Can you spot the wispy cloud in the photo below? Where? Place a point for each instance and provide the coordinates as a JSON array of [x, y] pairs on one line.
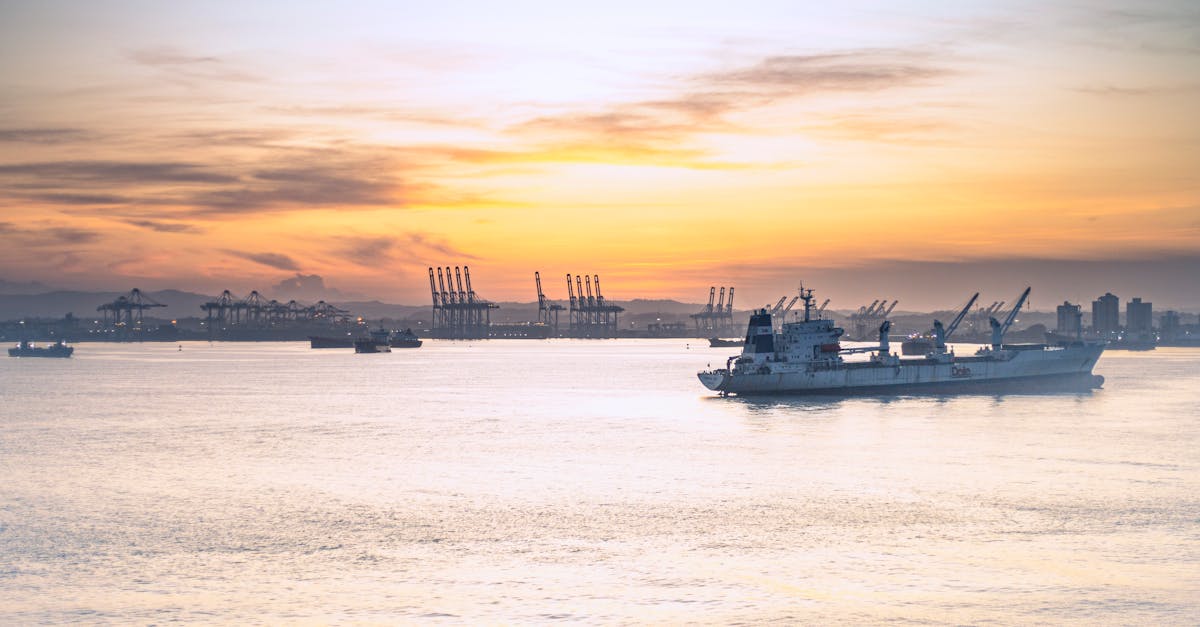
[[191, 66], [278, 261], [63, 173], [1121, 90], [44, 135], [857, 70], [164, 227], [47, 236], [375, 251]]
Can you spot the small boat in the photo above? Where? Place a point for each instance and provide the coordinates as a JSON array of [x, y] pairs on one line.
[[317, 341], [716, 342], [28, 349], [404, 339], [377, 342]]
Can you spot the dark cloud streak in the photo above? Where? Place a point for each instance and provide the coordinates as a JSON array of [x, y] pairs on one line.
[[278, 261]]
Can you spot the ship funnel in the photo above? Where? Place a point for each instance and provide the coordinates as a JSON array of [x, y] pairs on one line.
[[939, 336], [884, 345], [760, 336]]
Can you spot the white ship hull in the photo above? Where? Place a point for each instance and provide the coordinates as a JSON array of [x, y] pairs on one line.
[[1031, 368]]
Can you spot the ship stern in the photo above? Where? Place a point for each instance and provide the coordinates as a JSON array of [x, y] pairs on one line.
[[713, 379]]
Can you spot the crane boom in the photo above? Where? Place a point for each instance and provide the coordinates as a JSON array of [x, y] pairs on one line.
[[1012, 315], [712, 295], [791, 303], [778, 305], [571, 292], [890, 308], [729, 305], [721, 300], [961, 315]]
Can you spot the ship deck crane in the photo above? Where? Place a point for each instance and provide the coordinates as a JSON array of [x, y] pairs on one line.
[[1000, 328]]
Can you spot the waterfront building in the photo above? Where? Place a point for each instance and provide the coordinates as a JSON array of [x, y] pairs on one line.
[[1139, 316], [1069, 319], [1106, 314]]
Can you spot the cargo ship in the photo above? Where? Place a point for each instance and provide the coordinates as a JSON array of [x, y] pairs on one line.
[[404, 339], [29, 349], [806, 357]]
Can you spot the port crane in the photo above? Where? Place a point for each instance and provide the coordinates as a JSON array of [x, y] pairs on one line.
[[821, 309], [546, 307], [128, 309], [715, 319]]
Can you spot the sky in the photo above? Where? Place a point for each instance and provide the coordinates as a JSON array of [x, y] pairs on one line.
[[912, 150]]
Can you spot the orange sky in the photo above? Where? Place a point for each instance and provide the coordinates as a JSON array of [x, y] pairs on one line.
[[667, 148]]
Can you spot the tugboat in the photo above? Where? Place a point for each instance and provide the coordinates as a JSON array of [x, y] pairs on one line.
[[28, 349], [805, 357], [376, 342], [404, 339], [716, 342]]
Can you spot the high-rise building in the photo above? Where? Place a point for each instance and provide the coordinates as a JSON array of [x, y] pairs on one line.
[[1139, 316], [1106, 314], [1169, 324], [1069, 319]]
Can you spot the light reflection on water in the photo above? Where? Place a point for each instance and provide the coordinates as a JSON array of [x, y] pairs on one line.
[[586, 481]]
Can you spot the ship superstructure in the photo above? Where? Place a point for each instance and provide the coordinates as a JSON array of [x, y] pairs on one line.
[[806, 356]]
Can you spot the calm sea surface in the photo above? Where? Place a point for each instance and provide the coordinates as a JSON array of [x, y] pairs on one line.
[[577, 481]]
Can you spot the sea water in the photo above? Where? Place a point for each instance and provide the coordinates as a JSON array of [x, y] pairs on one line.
[[582, 481]]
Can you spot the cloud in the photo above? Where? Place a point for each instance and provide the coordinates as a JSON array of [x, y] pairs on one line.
[[317, 183], [310, 287], [164, 227], [189, 66], [376, 251], [43, 135], [48, 236], [425, 242], [77, 199], [858, 70], [366, 251], [278, 179], [273, 260], [657, 131], [60, 173], [1119, 90]]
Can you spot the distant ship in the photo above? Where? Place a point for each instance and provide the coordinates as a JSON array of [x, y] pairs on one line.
[[376, 342], [916, 344], [404, 339], [317, 341], [805, 357], [28, 349], [716, 342]]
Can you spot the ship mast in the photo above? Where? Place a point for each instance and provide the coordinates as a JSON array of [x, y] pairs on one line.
[[807, 297]]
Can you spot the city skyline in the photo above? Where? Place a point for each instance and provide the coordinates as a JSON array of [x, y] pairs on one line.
[[668, 148]]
